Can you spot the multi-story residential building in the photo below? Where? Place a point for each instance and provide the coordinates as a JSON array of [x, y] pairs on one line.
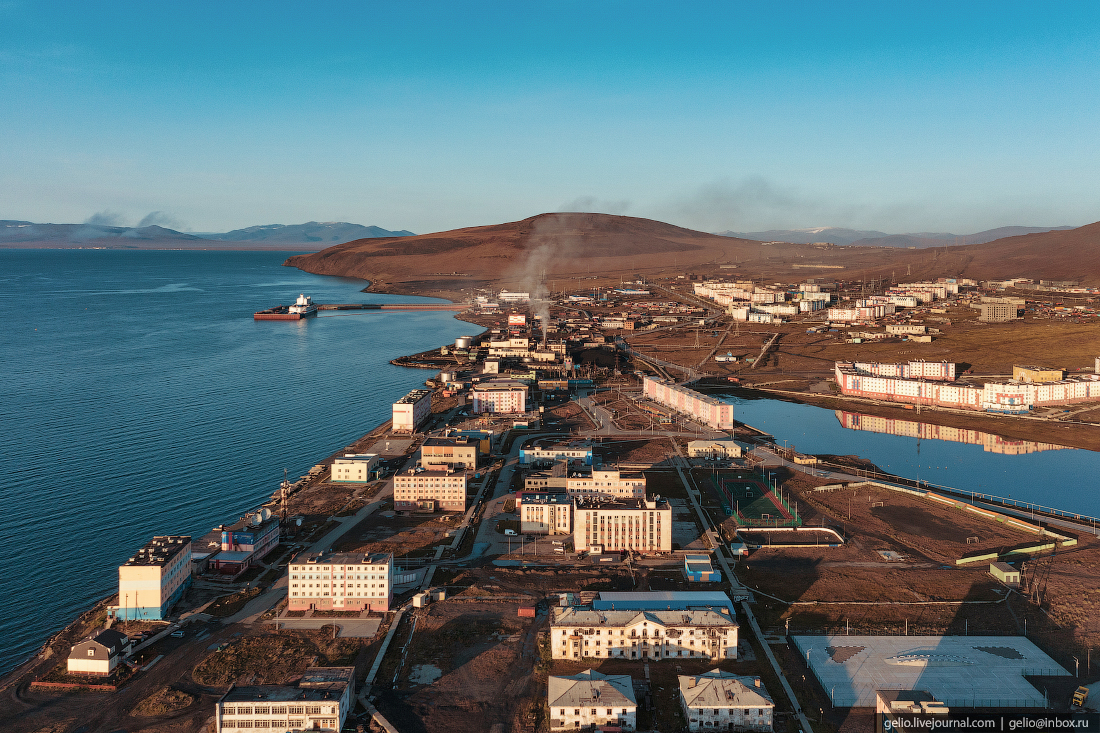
[[589, 699], [592, 484], [340, 581], [245, 542], [99, 654], [579, 632], [545, 512], [633, 525], [321, 701], [569, 453], [354, 468], [501, 396], [411, 410], [429, 491], [718, 700], [704, 408], [453, 453], [151, 581]]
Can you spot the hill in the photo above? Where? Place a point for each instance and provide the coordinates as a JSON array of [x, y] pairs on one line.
[[841, 236], [326, 232], [555, 248]]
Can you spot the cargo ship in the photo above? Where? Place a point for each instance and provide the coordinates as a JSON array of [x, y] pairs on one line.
[[304, 307]]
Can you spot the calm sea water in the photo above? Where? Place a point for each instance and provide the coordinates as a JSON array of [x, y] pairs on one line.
[[138, 397], [1065, 479]]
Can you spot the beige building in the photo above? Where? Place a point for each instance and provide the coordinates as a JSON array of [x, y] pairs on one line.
[[589, 699], [340, 581], [714, 449], [320, 701], [579, 481], [454, 453], [99, 654], [635, 525], [354, 468], [723, 701], [997, 312], [579, 632], [499, 396], [1037, 374], [545, 512], [439, 490], [151, 581]]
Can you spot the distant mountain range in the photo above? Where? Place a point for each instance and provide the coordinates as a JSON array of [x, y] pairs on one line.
[[309, 236], [861, 238]]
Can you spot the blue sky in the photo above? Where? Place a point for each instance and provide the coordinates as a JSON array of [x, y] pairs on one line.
[[428, 116]]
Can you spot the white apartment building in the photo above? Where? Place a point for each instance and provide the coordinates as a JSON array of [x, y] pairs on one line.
[[635, 525], [154, 579], [354, 468], [99, 654], [607, 484], [321, 701], [500, 396], [426, 490], [578, 632], [544, 512], [591, 699], [719, 701], [555, 453], [340, 581], [411, 410]]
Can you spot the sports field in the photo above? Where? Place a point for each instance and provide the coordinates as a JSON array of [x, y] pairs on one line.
[[753, 503]]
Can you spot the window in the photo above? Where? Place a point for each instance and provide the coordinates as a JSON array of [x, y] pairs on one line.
[[91, 652]]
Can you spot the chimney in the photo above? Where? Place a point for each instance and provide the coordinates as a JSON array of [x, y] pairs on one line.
[[757, 681]]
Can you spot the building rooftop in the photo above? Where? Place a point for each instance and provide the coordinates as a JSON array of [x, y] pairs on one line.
[[583, 616], [454, 441], [341, 558], [430, 473], [412, 397], [718, 689], [544, 497], [591, 688], [160, 550], [594, 502], [663, 599], [357, 457]]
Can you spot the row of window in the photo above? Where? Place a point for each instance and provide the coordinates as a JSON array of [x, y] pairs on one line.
[[728, 711], [323, 576], [336, 586], [280, 725], [352, 594], [645, 632], [277, 710], [577, 711]]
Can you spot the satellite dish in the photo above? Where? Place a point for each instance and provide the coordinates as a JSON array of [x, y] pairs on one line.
[[299, 521], [257, 518], [266, 513]]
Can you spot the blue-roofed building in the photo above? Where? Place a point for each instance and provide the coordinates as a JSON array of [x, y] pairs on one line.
[[662, 600]]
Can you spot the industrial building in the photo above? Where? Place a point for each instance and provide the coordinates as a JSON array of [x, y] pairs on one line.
[[354, 468], [1005, 573], [703, 408], [453, 453], [579, 632], [635, 525], [412, 410], [438, 490], [499, 396], [99, 654], [714, 449], [340, 581], [320, 701], [723, 701], [151, 581], [589, 699], [245, 542]]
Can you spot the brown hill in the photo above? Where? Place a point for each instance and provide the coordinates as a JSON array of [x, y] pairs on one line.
[[559, 247]]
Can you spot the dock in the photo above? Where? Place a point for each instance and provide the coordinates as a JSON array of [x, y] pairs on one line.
[[282, 312]]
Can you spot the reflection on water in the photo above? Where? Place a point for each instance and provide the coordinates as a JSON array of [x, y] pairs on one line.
[[912, 429]]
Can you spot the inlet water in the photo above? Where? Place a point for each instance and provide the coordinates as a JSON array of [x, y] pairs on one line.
[[140, 398]]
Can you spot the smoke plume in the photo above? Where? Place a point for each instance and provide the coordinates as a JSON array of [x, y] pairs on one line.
[[159, 218]]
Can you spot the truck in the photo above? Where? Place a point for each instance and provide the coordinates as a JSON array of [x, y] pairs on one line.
[[1080, 696]]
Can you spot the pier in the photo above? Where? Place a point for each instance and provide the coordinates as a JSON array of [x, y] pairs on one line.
[[391, 306]]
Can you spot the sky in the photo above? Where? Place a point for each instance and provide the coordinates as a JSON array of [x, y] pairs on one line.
[[209, 116]]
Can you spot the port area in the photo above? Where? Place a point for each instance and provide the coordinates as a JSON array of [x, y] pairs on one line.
[[282, 312]]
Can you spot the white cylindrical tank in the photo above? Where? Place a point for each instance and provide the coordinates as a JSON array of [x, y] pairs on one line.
[[464, 342]]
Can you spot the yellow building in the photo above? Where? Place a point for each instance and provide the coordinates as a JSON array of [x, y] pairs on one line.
[[1037, 374]]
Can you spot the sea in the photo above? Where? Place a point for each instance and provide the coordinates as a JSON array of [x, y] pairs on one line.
[[138, 397]]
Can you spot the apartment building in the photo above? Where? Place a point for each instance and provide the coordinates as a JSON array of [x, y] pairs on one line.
[[452, 453], [340, 581], [354, 468], [570, 453], [151, 581], [545, 512], [717, 701], [499, 396], [435, 490], [589, 699], [579, 481], [320, 701], [579, 632], [634, 525], [412, 410]]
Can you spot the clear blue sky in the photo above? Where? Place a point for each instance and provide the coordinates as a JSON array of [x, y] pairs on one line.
[[427, 116]]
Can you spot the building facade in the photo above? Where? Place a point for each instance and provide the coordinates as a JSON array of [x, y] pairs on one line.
[[320, 701], [354, 468], [99, 654], [723, 701], [580, 632], [430, 491], [713, 449], [453, 453], [151, 581], [412, 410], [589, 699], [499, 396], [545, 512], [245, 542], [341, 581], [527, 456], [640, 525], [703, 408]]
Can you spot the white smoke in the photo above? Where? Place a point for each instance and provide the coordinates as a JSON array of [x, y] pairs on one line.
[[554, 238]]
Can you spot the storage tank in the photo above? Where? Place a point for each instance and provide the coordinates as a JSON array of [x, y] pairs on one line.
[[464, 342]]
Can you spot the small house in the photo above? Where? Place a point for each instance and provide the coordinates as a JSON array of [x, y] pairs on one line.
[[1005, 573], [99, 654], [698, 569]]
